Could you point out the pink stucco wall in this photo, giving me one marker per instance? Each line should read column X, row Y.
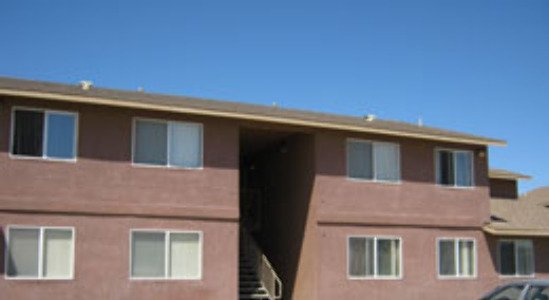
column 102, row 254
column 103, row 196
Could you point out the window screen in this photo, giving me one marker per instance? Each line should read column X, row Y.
column 148, row 256
column 61, row 135
column 57, row 253
column 447, row 263
column 463, row 169
column 388, row 257
column 151, row 143
column 359, row 160
column 185, row 145
column 185, row 255
column 23, row 253
column 386, row 161
column 466, row 258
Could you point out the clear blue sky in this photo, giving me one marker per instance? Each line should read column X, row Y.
column 467, row 65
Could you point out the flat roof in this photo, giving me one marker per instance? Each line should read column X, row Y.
column 192, row 105
column 506, row 174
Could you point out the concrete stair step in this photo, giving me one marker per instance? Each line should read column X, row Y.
column 254, row 296
column 250, row 283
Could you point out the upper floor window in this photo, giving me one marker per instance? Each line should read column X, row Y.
column 167, row 143
column 44, row 133
column 166, row 255
column 40, row 252
column 374, row 257
column 373, row 160
column 454, row 167
column 456, row 258
column 516, row 257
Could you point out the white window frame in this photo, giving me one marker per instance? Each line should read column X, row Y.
column 167, row 165
column 516, row 275
column 41, row 230
column 455, row 185
column 46, row 112
column 374, row 171
column 375, row 276
column 457, row 260
column 167, row 233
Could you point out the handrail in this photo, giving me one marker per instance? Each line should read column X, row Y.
column 264, row 268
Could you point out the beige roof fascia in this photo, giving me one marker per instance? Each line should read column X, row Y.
column 515, row 231
column 505, row 174
column 56, row 96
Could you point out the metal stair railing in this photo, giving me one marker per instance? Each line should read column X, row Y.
column 265, row 271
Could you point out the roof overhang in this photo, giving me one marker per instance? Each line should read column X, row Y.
column 241, row 115
column 532, row 232
column 508, row 175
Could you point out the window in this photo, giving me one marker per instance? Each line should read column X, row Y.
column 454, row 168
column 456, row 258
column 374, row 257
column 40, row 253
column 373, row 160
column 43, row 133
column 166, row 255
column 171, row 144
column 516, row 257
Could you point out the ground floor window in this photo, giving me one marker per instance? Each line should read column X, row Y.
column 40, row 252
column 157, row 254
column 456, row 257
column 516, row 257
column 374, row 257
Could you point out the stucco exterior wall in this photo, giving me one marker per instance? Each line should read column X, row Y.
column 415, row 209
column 102, row 261
column 503, row 188
column 541, row 255
column 104, row 180
column 415, row 200
column 103, row 195
column 419, row 266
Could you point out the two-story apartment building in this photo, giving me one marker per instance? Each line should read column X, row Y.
column 108, row 194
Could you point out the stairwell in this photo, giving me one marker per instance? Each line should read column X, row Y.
column 257, row 278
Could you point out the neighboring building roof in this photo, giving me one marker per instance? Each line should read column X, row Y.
column 181, row 104
column 539, row 196
column 505, row 174
column 527, row 216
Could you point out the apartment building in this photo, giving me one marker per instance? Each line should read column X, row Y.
column 109, row 194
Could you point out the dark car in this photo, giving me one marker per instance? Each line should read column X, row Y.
column 524, row 290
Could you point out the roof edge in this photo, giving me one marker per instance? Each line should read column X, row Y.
column 240, row 115
column 515, row 231
column 505, row 174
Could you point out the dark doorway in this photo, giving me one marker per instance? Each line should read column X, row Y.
column 276, row 179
